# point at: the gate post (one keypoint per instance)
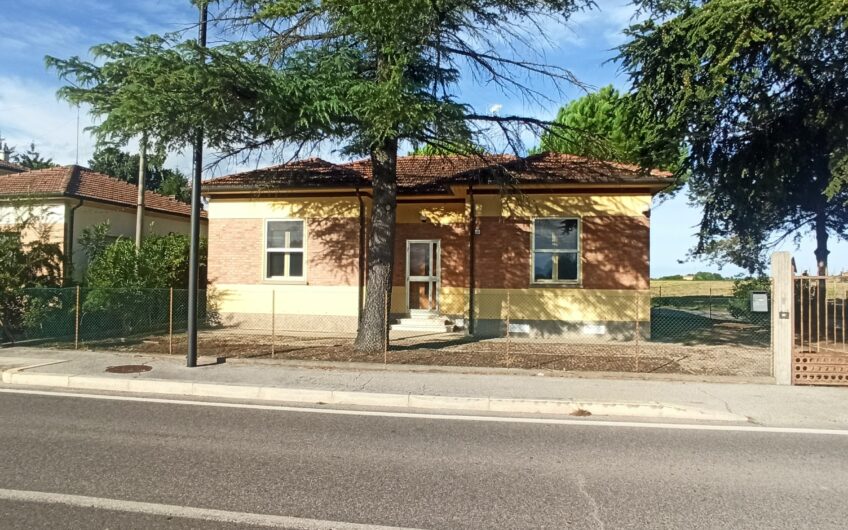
(782, 319)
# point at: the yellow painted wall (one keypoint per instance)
(259, 208)
(288, 299)
(564, 304)
(554, 205)
(435, 213)
(540, 304)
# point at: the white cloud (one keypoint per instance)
(30, 112)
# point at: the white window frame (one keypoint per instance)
(282, 250)
(578, 251)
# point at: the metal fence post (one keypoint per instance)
(77, 320)
(638, 334)
(508, 311)
(171, 323)
(711, 305)
(273, 322)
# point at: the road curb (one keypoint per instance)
(17, 376)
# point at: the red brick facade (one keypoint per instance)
(614, 252)
(237, 251)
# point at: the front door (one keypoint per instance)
(422, 275)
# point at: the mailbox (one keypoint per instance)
(759, 302)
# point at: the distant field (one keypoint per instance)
(691, 288)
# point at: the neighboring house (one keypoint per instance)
(566, 236)
(69, 199)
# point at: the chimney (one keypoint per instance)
(6, 153)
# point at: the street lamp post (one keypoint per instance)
(191, 357)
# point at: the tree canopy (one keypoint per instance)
(759, 93)
(606, 125)
(32, 159)
(120, 164)
(362, 74)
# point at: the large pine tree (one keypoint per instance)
(365, 74)
(759, 92)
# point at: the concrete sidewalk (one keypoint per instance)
(458, 389)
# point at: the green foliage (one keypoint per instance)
(127, 288)
(707, 276)
(32, 159)
(112, 161)
(95, 239)
(698, 276)
(462, 148)
(740, 303)
(359, 72)
(757, 93)
(606, 125)
(160, 262)
(29, 259)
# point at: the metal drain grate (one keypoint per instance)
(129, 369)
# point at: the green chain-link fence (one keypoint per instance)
(693, 330)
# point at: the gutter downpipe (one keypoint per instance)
(361, 294)
(472, 232)
(68, 261)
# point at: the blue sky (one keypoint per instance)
(29, 111)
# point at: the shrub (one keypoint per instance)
(740, 303)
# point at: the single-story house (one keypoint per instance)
(69, 199)
(560, 240)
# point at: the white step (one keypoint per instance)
(444, 328)
(432, 323)
(424, 321)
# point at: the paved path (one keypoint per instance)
(82, 463)
(762, 404)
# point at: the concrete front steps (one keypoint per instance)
(427, 323)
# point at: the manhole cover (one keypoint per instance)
(129, 369)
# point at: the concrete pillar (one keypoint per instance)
(782, 307)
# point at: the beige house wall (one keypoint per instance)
(121, 224)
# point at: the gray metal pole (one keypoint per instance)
(191, 357)
(142, 172)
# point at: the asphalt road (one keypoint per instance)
(410, 472)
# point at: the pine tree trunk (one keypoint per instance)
(821, 253)
(381, 245)
(821, 243)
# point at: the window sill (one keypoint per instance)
(557, 285)
(283, 281)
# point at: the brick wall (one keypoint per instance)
(615, 252)
(332, 249)
(237, 251)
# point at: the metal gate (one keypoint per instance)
(820, 351)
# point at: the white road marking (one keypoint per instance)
(434, 416)
(183, 512)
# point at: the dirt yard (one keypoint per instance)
(460, 350)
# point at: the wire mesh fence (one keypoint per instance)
(685, 331)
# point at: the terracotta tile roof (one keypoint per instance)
(83, 183)
(420, 174)
(308, 173)
(11, 166)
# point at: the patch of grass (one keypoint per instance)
(691, 288)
